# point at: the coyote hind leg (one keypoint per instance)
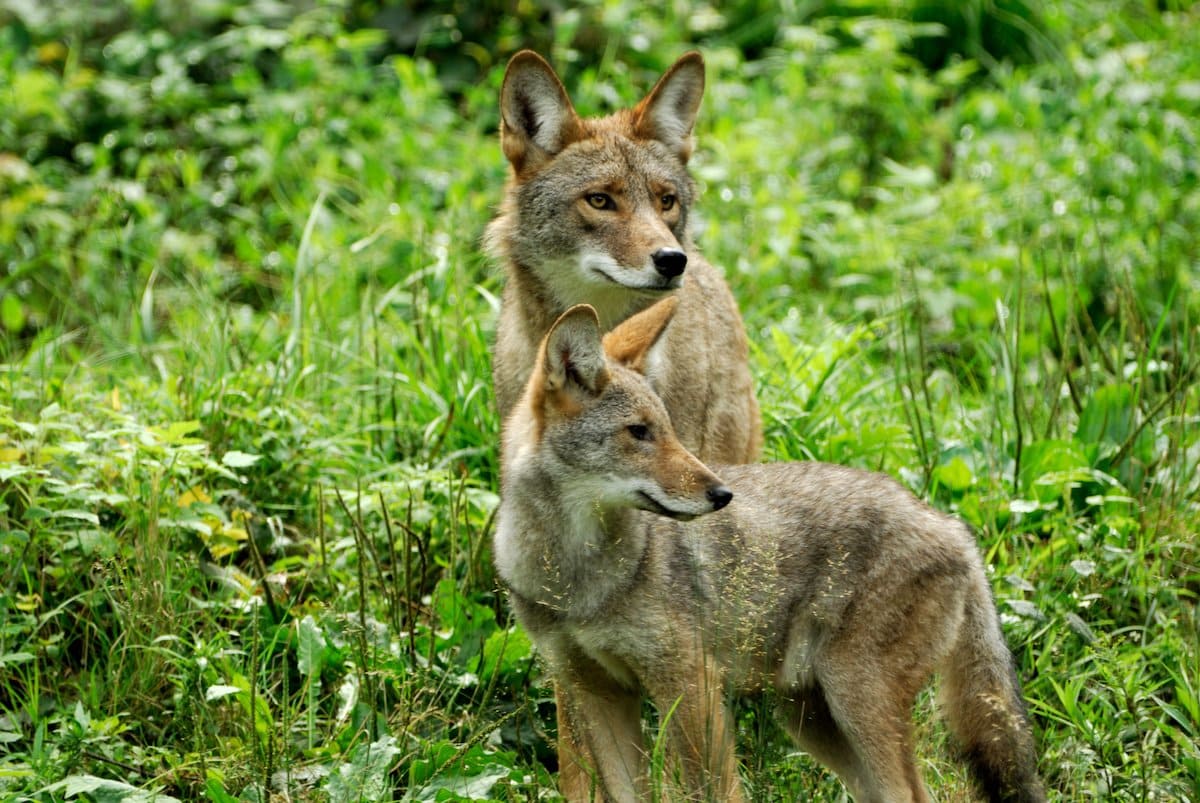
(806, 717)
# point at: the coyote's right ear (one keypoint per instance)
(630, 341)
(537, 119)
(572, 353)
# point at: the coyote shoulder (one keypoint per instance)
(596, 211)
(639, 571)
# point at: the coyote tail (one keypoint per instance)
(982, 701)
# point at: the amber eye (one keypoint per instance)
(598, 200)
(640, 432)
(668, 202)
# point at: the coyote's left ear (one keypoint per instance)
(537, 119)
(572, 354)
(630, 341)
(668, 113)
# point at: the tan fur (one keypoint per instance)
(557, 248)
(832, 588)
(627, 344)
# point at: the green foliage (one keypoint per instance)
(466, 40)
(247, 445)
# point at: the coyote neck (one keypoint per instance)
(547, 291)
(557, 548)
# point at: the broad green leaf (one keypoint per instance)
(13, 471)
(1047, 468)
(11, 658)
(1025, 609)
(176, 433)
(1081, 628)
(506, 652)
(310, 649)
(81, 716)
(1107, 417)
(105, 790)
(1083, 567)
(218, 691)
(81, 515)
(1023, 505)
(12, 316)
(365, 776)
(215, 790)
(236, 459)
(459, 787)
(954, 475)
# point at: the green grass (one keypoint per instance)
(248, 453)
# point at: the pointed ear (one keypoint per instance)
(572, 354)
(669, 112)
(630, 341)
(537, 119)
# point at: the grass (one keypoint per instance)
(247, 442)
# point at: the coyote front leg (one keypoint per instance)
(600, 751)
(700, 732)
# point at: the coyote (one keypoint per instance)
(831, 587)
(596, 211)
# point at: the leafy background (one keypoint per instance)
(247, 443)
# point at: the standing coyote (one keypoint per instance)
(596, 211)
(833, 587)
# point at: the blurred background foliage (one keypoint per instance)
(161, 139)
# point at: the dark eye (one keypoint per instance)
(668, 202)
(640, 432)
(599, 200)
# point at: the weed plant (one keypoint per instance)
(247, 440)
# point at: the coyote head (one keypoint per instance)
(590, 419)
(597, 208)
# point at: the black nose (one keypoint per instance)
(720, 496)
(670, 262)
